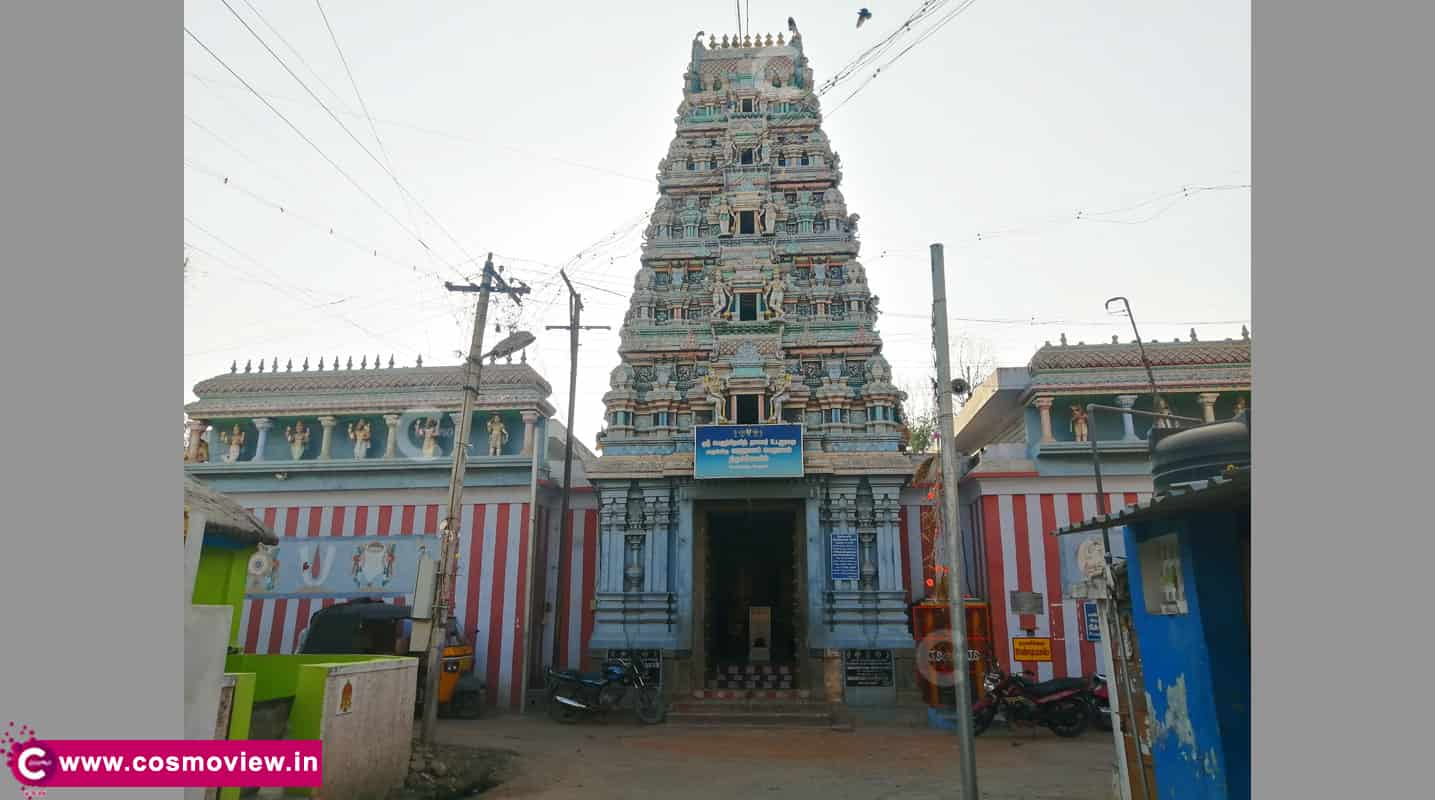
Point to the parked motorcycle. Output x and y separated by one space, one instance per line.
1062 704
573 695
1100 702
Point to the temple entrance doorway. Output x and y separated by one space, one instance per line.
752 576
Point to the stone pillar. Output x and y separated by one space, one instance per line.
1208 405
391 443
1127 401
529 419
262 424
1043 405
326 444
197 427
455 417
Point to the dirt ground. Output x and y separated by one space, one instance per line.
621 759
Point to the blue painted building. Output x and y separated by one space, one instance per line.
1188 572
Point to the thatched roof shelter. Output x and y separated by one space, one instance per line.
224 517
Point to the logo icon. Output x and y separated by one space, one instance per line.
30 760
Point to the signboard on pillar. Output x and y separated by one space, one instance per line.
844 556
1093 622
747 451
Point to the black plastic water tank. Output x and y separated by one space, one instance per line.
1200 453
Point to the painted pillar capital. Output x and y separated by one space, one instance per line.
1128 424
1043 405
326 444
1208 405
391 442
263 425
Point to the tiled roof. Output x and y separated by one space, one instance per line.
225 516
450 377
1116 356
1229 487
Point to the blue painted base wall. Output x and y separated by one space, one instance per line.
1197 665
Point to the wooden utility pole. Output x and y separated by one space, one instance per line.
443 586
575 312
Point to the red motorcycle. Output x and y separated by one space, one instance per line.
1100 702
1063 704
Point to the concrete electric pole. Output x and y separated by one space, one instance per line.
443 585
575 312
951 522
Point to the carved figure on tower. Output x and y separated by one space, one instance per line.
361 435
235 440
427 432
1078 423
713 385
298 437
721 299
776 293
781 390
770 212
724 217
497 435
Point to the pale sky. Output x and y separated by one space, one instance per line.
533 130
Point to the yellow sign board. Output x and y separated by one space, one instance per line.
1031 648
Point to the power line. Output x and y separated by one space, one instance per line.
309 141
346 130
208 83
953 14
296 52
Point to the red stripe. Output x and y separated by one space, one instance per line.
281 605
590 572
906 553
540 591
1055 603
495 603
407 526
992 530
361 520
519 615
302 613
475 566
431 520
386 518
1076 510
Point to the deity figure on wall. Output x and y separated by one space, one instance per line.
298 438
770 212
721 299
201 455
1162 407
723 216
427 432
776 293
361 435
235 440
1240 407
1078 423
781 390
713 385
497 435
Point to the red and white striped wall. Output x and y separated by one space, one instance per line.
574 569
1009 548
489 594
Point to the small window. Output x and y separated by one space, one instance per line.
703 201
691 165
747 155
747 409
790 198
717 83
747 307
817 197
747 105
819 225
792 226
805 160
747 222
782 161
712 164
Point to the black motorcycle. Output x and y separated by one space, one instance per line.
573 695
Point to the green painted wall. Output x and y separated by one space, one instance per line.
278 676
219 581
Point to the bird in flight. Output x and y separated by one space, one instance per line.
862 16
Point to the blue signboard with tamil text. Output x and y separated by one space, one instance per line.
747 451
1093 622
844 556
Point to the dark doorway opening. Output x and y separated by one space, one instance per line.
747 222
747 307
752 563
747 409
